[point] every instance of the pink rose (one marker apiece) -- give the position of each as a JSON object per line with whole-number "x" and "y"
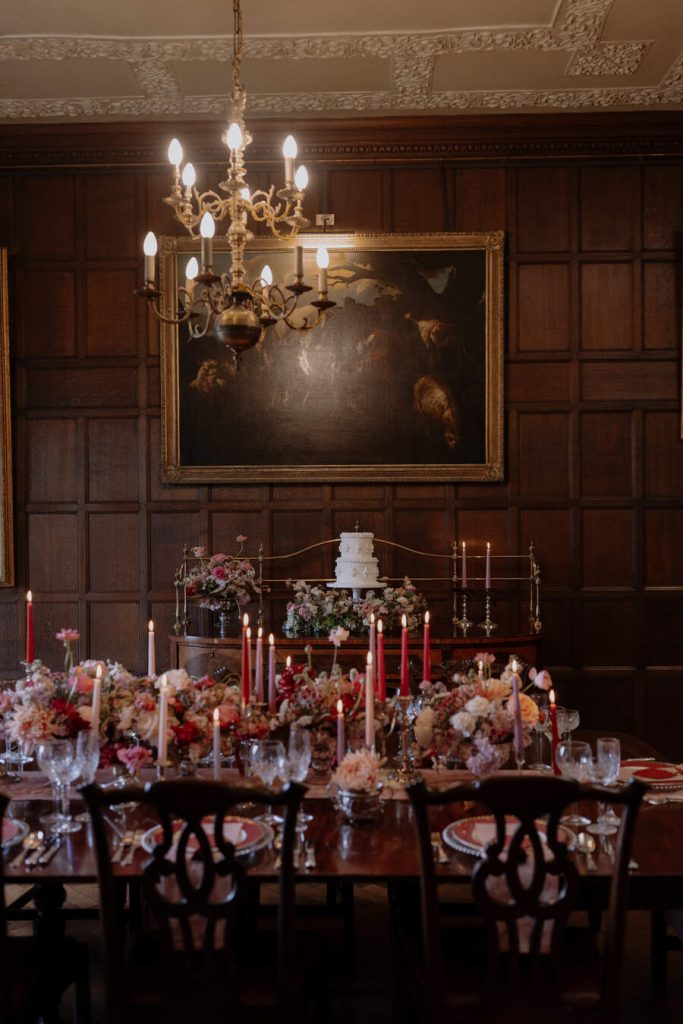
{"x": 240, "y": 538}
{"x": 84, "y": 683}
{"x": 219, "y": 573}
{"x": 229, "y": 714}
{"x": 67, "y": 635}
{"x": 541, "y": 679}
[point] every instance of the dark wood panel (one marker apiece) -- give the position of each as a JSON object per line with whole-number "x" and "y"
{"x": 110, "y": 217}
{"x": 663, "y": 548}
{"x": 550, "y": 531}
{"x": 115, "y": 633}
{"x": 543, "y": 209}
{"x": 113, "y": 459}
{"x": 226, "y": 527}
{"x": 53, "y": 552}
{"x": 113, "y": 387}
{"x": 606, "y": 306}
{"x": 49, "y": 617}
{"x": 606, "y": 454}
{"x": 357, "y": 199}
{"x": 418, "y": 200}
{"x": 607, "y": 547}
{"x": 424, "y": 530}
{"x": 661, "y": 305}
{"x": 663, "y": 635}
{"x": 609, "y": 632}
{"x": 52, "y": 460}
{"x": 46, "y": 228}
{"x": 607, "y": 206}
{"x": 543, "y": 306}
{"x": 480, "y": 199}
{"x": 46, "y": 313}
{"x": 663, "y": 455}
{"x": 538, "y": 382}
{"x": 292, "y": 530}
{"x": 633, "y": 381}
{"x": 544, "y": 454}
{"x": 158, "y": 490}
{"x": 663, "y": 206}
{"x": 114, "y": 547}
{"x": 111, "y": 312}
{"x": 168, "y": 533}
{"x": 11, "y": 639}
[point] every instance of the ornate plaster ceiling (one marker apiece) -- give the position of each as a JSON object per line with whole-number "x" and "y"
{"x": 155, "y": 59}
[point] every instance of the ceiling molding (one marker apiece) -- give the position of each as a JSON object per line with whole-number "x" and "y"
{"x": 576, "y": 30}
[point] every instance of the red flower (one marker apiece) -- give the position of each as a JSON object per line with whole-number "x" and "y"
{"x": 187, "y": 733}
{"x": 68, "y": 717}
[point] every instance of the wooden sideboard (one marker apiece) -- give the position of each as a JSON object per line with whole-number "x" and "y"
{"x": 202, "y": 655}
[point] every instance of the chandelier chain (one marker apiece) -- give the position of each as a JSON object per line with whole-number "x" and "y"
{"x": 236, "y": 43}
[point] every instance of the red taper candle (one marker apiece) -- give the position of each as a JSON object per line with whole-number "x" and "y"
{"x": 554, "y": 734}
{"x": 381, "y": 671}
{"x": 245, "y": 662}
{"x": 426, "y": 653}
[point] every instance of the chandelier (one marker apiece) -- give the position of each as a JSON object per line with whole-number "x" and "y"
{"x": 235, "y": 311}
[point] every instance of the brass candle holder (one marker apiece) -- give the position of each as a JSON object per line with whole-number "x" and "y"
{"x": 162, "y": 768}
{"x": 405, "y": 773}
{"x": 488, "y": 625}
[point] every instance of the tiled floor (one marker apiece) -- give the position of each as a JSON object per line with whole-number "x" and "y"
{"x": 367, "y": 997}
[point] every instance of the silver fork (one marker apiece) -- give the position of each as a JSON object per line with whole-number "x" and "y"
{"x": 132, "y": 849}
{"x": 123, "y": 847}
{"x": 438, "y": 848}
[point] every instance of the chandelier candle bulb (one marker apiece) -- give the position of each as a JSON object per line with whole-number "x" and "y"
{"x": 405, "y": 685}
{"x": 30, "y": 640}
{"x": 272, "y": 705}
{"x": 301, "y": 178}
{"x": 323, "y": 260}
{"x": 149, "y": 247}
{"x": 288, "y": 662}
{"x": 258, "y": 681}
{"x": 341, "y": 738}
{"x": 487, "y": 584}
{"x": 234, "y": 138}
{"x": 151, "y": 652}
{"x": 267, "y": 278}
{"x": 216, "y": 744}
{"x": 244, "y": 663}
{"x": 191, "y": 271}
{"x": 426, "y": 653}
{"x": 464, "y": 565}
{"x": 381, "y": 670}
{"x": 207, "y": 230}
{"x": 369, "y": 704}
{"x": 189, "y": 177}
{"x": 162, "y": 742}
{"x": 96, "y": 702}
{"x": 289, "y": 151}
{"x": 554, "y": 733}
{"x": 175, "y": 154}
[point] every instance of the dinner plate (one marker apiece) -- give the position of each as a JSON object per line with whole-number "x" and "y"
{"x": 13, "y": 831}
{"x": 473, "y": 834}
{"x": 657, "y": 774}
{"x": 246, "y": 834}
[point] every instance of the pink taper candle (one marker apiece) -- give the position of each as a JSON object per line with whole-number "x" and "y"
{"x": 517, "y": 712}
{"x": 381, "y": 671}
{"x": 151, "y": 652}
{"x": 245, "y": 662}
{"x": 426, "y": 653}
{"x": 487, "y": 584}
{"x": 216, "y": 744}
{"x": 30, "y": 645}
{"x": 405, "y": 685}
{"x": 369, "y": 704}
{"x": 248, "y": 664}
{"x": 372, "y": 644}
{"x": 464, "y": 565}
{"x": 258, "y": 679}
{"x": 272, "y": 705}
{"x": 341, "y": 738}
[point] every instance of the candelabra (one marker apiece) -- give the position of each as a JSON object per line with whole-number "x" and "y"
{"x": 235, "y": 311}
{"x": 405, "y": 772}
{"x": 488, "y": 625}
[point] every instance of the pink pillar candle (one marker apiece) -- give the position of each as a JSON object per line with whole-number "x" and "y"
{"x": 426, "y": 653}
{"x": 405, "y": 684}
{"x": 341, "y": 737}
{"x": 258, "y": 679}
{"x": 381, "y": 670}
{"x": 464, "y": 565}
{"x": 245, "y": 663}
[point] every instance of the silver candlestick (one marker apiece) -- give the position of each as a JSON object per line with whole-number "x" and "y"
{"x": 405, "y": 772}
{"x": 463, "y": 622}
{"x": 488, "y": 625}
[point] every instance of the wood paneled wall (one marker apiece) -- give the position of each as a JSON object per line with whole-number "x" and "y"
{"x": 594, "y": 460}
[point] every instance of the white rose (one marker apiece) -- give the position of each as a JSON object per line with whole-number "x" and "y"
{"x": 126, "y": 718}
{"x": 85, "y": 711}
{"x": 424, "y": 727}
{"x": 478, "y": 706}
{"x": 463, "y": 722}
{"x": 148, "y": 726}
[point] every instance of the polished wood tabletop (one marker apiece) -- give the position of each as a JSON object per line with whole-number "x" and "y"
{"x": 383, "y": 850}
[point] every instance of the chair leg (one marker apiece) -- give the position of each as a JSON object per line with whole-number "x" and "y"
{"x": 348, "y": 927}
{"x": 658, "y": 954}
{"x": 82, "y": 1010}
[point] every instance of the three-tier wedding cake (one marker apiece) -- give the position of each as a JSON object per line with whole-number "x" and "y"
{"x": 356, "y": 568}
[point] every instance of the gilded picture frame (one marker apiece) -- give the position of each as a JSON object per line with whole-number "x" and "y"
{"x": 6, "y": 508}
{"x": 402, "y": 382}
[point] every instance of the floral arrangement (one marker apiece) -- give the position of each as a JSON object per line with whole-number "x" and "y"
{"x": 220, "y": 579}
{"x": 310, "y": 699}
{"x": 317, "y": 611}
{"x": 473, "y": 722}
{"x": 359, "y": 772}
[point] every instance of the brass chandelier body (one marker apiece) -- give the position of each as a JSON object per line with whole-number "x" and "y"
{"x": 236, "y": 311}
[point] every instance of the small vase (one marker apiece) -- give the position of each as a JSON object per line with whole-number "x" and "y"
{"x": 323, "y": 748}
{"x": 358, "y": 808}
{"x": 225, "y": 618}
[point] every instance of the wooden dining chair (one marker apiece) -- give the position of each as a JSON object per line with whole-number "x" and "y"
{"x": 525, "y": 887}
{"x": 200, "y": 953}
{"x": 34, "y": 975}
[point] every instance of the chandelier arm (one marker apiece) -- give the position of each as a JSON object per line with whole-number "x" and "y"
{"x": 169, "y": 319}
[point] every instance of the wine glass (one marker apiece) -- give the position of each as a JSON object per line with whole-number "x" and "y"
{"x": 44, "y": 757}
{"x": 299, "y": 761}
{"x": 88, "y": 754}
{"x": 568, "y": 720}
{"x": 269, "y": 761}
{"x": 66, "y": 768}
{"x": 606, "y": 766}
{"x": 541, "y": 733}
{"x": 574, "y": 761}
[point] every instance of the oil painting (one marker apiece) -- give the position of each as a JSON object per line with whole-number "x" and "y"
{"x": 6, "y": 530}
{"x": 403, "y": 380}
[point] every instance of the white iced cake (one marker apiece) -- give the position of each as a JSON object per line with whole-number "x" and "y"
{"x": 356, "y": 568}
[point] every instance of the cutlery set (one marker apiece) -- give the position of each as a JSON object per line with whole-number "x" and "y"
{"x": 37, "y": 851}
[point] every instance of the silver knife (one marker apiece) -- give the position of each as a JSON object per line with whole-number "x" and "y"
{"x": 35, "y": 856}
{"x": 49, "y": 854}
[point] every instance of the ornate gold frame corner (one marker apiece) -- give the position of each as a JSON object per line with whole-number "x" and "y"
{"x": 491, "y": 470}
{"x": 6, "y": 505}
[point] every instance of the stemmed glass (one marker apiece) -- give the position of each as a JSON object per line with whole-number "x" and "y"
{"x": 269, "y": 761}
{"x": 298, "y": 762}
{"x": 46, "y": 765}
{"x": 605, "y": 770}
{"x": 62, "y": 766}
{"x": 574, "y": 761}
{"x": 88, "y": 754}
{"x": 568, "y": 719}
{"x": 541, "y": 731}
